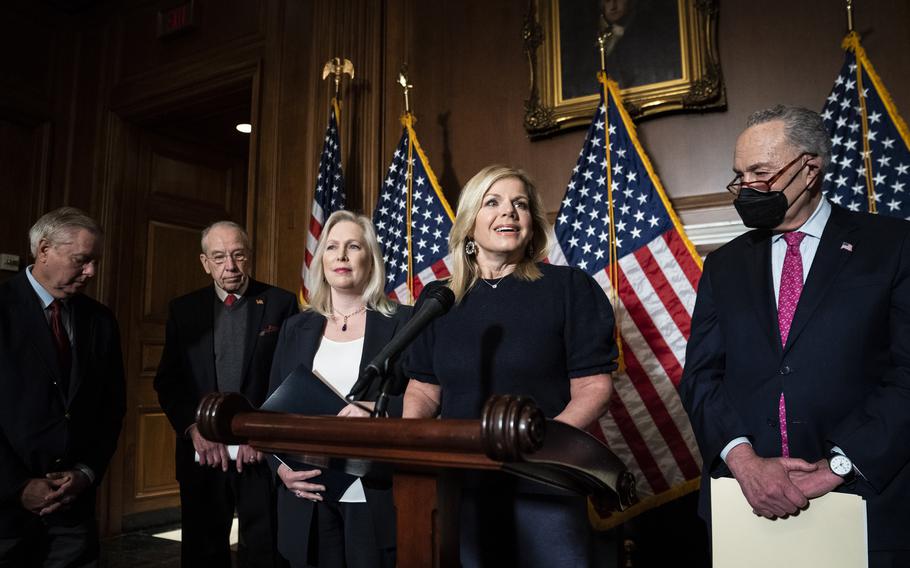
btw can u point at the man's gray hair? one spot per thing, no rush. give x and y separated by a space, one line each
57 227
245 238
804 128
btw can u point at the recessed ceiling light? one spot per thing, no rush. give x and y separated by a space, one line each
244 127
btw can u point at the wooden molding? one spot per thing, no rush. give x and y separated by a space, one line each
702 201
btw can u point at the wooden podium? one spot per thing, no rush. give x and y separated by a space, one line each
425 454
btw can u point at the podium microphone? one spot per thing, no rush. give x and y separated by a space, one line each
438 300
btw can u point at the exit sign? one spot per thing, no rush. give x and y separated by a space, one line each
177 19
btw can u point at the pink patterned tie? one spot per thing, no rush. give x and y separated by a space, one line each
791 286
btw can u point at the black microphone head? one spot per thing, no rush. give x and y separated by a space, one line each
443 295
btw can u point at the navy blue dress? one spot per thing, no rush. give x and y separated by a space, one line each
529 338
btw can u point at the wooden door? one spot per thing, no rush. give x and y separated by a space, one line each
180 188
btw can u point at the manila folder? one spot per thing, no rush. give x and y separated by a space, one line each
829 533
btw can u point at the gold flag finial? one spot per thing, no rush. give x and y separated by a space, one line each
338 67
403 81
850 16
602 39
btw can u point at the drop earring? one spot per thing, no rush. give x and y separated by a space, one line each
470 247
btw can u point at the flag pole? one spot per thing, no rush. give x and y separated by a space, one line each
850 16
860 90
324 203
407 120
602 38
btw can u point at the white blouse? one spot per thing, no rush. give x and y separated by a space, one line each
338 364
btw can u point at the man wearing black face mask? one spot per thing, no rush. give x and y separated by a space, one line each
797 377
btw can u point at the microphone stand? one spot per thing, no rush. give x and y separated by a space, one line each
382 401
369 376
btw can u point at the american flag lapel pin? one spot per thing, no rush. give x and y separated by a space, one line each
260 301
846 246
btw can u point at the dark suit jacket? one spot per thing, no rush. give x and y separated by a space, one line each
187 369
845 369
297 345
42 428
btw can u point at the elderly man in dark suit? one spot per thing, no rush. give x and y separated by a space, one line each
222 338
797 377
61 397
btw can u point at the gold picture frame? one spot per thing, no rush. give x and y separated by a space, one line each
676 71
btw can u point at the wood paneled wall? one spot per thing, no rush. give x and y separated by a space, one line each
79 88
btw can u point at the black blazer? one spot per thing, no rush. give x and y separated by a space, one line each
42 428
845 369
297 344
187 369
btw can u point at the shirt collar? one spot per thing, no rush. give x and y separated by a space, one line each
43 295
815 224
222 294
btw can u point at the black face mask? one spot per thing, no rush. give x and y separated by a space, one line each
760 210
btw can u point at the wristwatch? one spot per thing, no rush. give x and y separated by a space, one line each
841 466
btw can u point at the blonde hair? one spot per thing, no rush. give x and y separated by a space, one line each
464 269
373 296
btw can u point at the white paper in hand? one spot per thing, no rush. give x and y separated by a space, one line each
232 451
830 533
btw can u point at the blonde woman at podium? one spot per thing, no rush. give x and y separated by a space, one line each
327 518
519 326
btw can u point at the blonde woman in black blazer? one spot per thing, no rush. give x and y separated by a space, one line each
348 312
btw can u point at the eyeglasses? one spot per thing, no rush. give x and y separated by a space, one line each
83 262
764 185
220 258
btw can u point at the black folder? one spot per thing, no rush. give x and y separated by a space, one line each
302 392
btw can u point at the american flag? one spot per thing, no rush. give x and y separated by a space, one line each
329 196
413 221
616 208
870 156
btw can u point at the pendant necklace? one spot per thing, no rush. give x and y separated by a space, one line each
344 325
495 284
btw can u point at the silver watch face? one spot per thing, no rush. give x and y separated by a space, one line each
841 465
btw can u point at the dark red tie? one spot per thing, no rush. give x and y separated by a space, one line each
61 341
229 300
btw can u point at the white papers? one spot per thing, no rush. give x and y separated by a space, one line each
232 451
830 533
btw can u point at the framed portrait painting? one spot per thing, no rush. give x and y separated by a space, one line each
662 53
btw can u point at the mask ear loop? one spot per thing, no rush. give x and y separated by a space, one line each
790 203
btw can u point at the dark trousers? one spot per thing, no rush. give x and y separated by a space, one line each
208 498
889 558
52 546
347 537
503 528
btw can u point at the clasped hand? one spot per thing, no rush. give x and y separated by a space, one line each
297 481
56 491
777 487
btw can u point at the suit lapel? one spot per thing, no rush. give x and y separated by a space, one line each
256 309
379 331
35 327
829 260
305 340
204 349
762 292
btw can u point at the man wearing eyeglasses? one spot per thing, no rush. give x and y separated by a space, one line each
61 397
222 338
797 376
